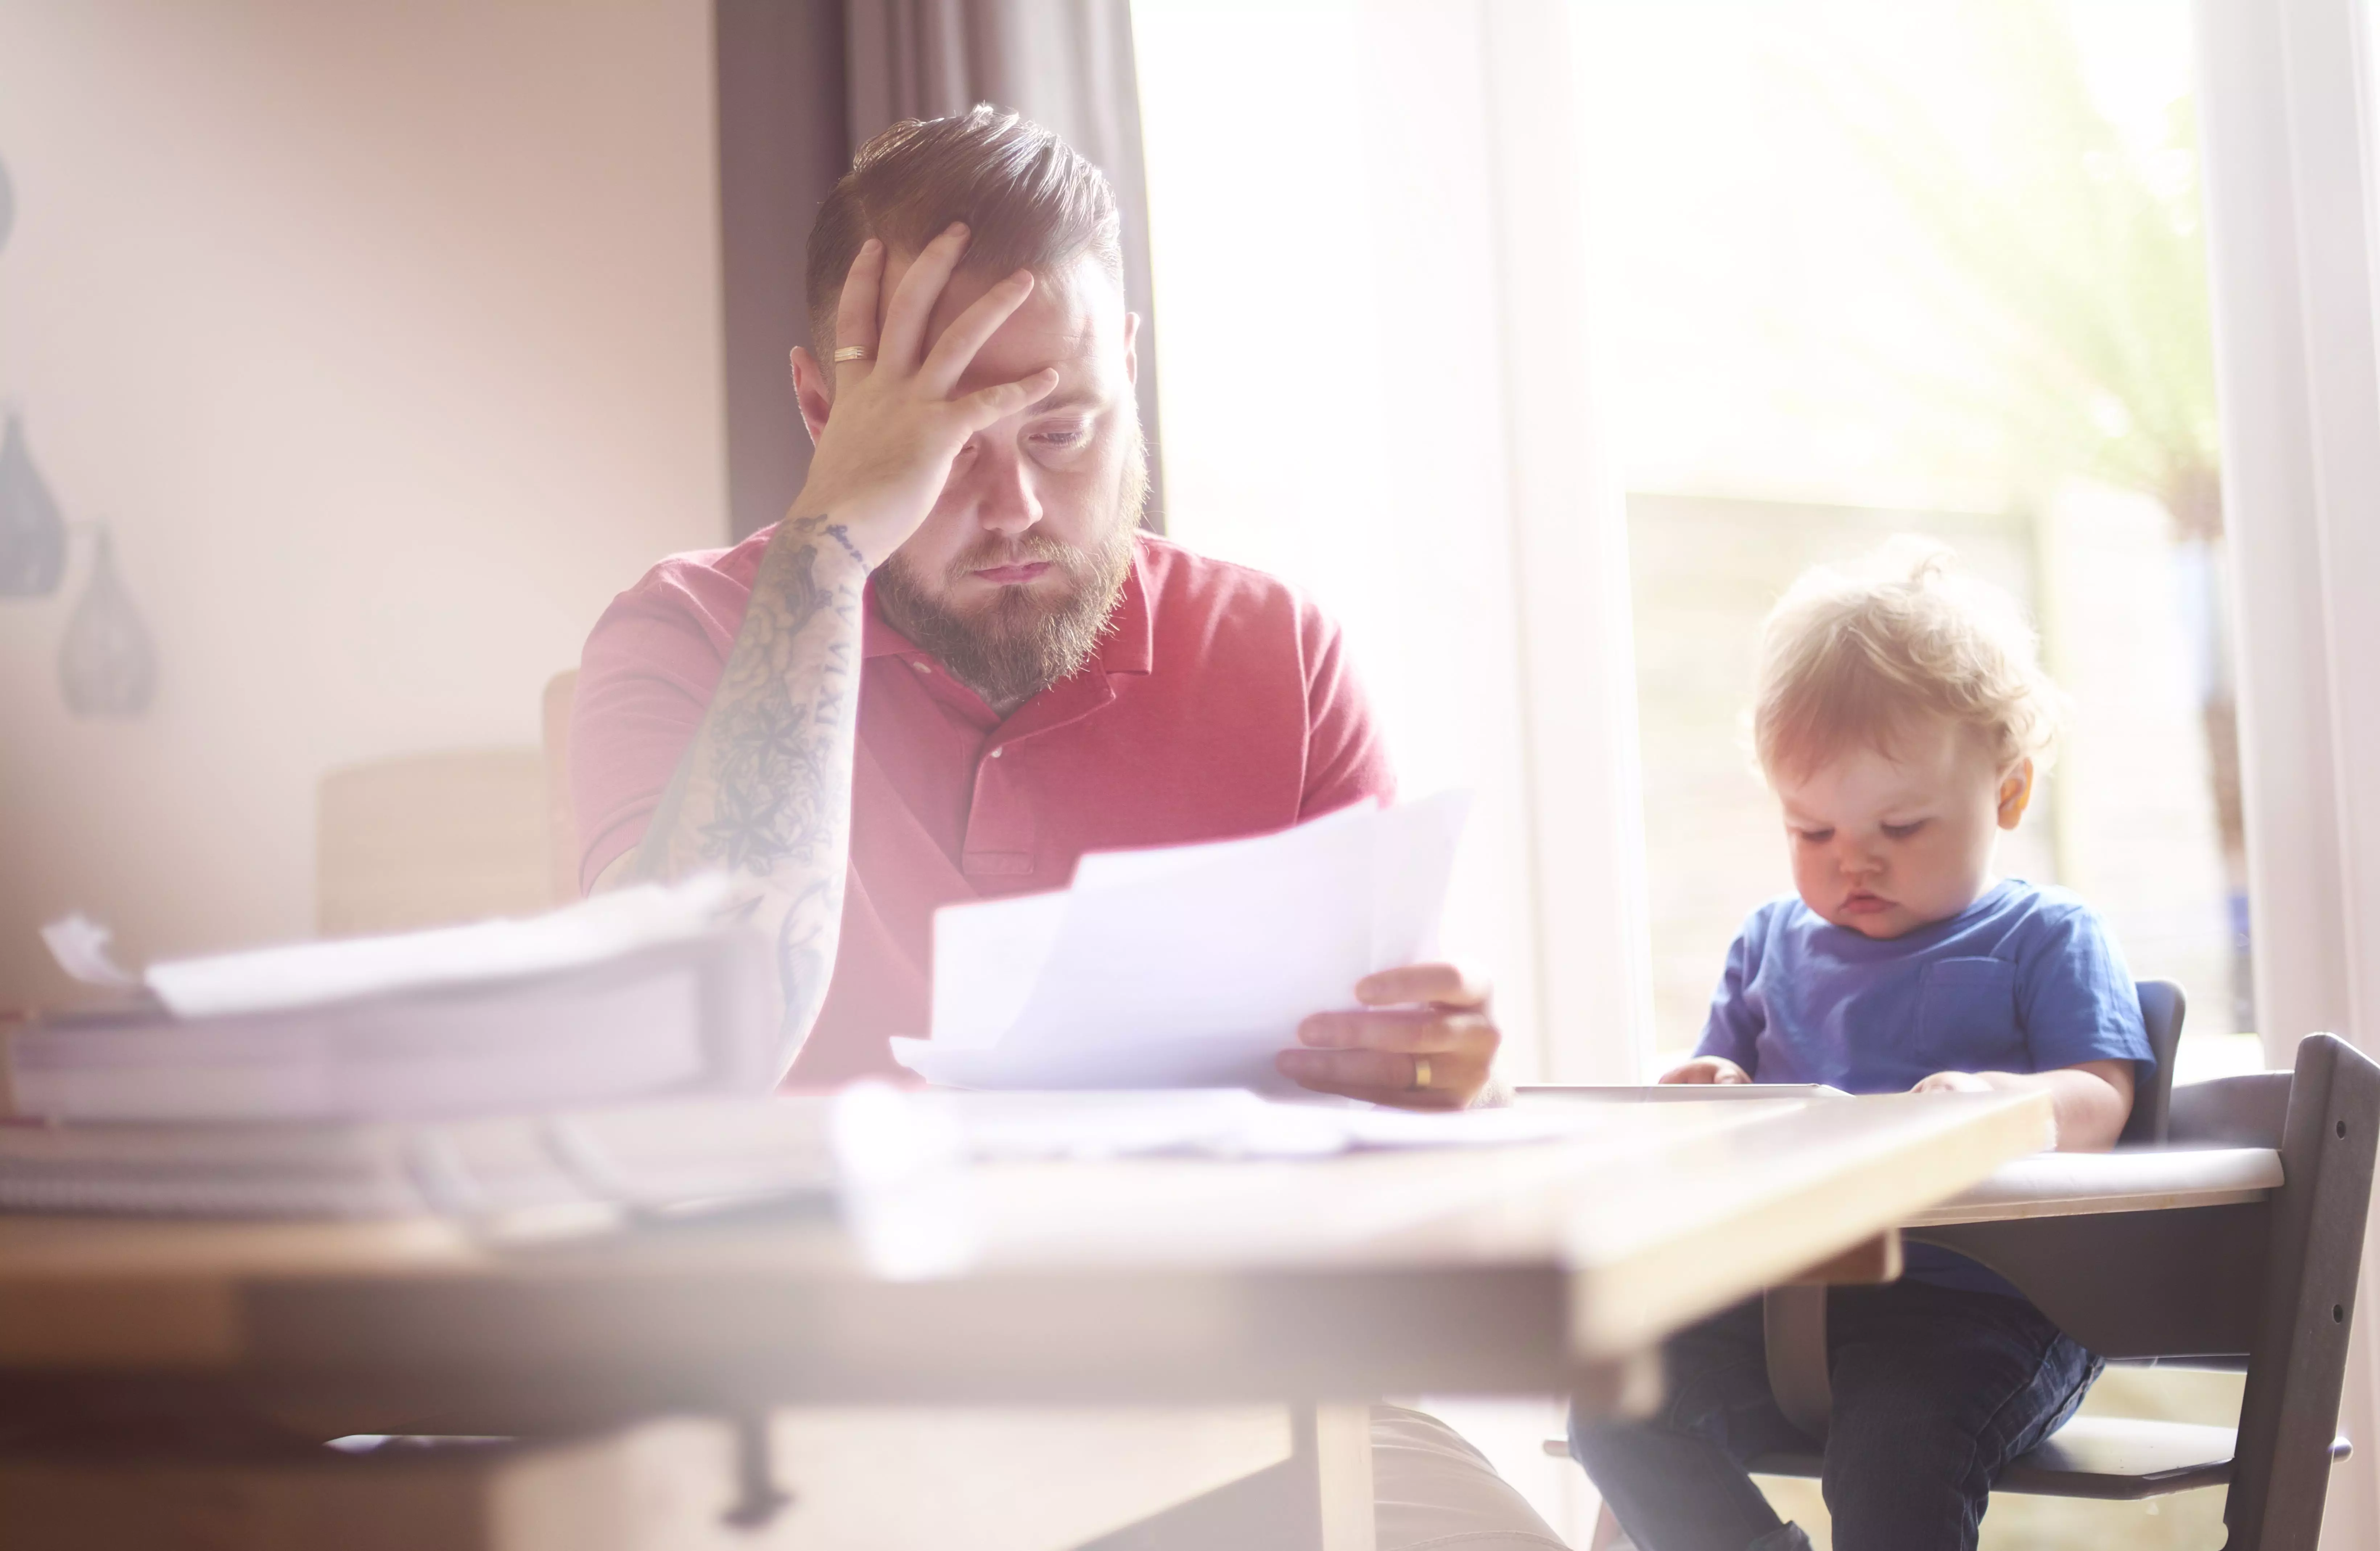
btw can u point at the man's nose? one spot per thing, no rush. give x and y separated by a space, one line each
1006 502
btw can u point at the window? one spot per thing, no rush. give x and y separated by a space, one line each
1852 268
1936 267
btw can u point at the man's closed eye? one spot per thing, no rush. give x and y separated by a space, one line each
1060 438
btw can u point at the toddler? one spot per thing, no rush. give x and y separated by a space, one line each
1903 720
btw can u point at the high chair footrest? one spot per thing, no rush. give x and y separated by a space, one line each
2110 1458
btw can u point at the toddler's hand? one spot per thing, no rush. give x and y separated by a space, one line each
1709 1068
1953 1083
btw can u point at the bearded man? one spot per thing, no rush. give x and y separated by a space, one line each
958 663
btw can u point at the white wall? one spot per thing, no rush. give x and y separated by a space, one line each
385 338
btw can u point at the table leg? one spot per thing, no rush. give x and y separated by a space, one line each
1339 1440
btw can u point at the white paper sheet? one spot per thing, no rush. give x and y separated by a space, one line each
1198 1122
80 946
1189 966
304 975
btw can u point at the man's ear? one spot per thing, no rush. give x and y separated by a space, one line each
2016 793
813 390
1132 349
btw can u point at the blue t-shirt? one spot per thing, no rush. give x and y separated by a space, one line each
2023 979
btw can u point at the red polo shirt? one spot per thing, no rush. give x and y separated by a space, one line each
1220 704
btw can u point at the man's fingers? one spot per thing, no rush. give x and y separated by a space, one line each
986 405
1447 984
1383 1076
1706 1070
1394 1098
854 316
913 297
1418 1031
948 360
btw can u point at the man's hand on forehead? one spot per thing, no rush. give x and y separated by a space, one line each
1048 329
966 285
903 409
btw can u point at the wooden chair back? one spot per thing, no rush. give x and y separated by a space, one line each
430 840
2272 1281
2297 1359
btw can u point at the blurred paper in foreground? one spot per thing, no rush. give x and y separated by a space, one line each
1184 967
642 992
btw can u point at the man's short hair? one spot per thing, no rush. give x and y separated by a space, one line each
1852 655
1031 201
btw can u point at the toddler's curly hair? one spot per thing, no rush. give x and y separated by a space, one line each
1855 654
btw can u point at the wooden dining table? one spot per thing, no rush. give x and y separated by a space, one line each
1047 1353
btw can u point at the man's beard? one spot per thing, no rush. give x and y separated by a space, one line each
1016 645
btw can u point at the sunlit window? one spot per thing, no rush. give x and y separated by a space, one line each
1859 268
1856 268
1921 267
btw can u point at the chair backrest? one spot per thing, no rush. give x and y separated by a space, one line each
560 820
2249 1110
2162 1009
2273 1279
2298 1364
429 840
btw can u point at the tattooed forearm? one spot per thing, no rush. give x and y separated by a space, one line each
766 788
781 778
805 946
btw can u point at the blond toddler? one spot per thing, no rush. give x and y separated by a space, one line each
1902 719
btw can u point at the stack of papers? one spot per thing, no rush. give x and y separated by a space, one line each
592 932
574 1169
1188 966
642 992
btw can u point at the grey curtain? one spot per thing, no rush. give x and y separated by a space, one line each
1066 64
785 136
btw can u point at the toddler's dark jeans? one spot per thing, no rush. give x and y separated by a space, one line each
1936 1390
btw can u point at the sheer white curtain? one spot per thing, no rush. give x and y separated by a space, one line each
1366 225
1365 222
2292 217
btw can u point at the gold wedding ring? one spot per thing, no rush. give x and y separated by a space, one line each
1421 1074
853 352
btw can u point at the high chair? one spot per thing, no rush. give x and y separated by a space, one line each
2266 1285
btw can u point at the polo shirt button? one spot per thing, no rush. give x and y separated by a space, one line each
921 664
997 752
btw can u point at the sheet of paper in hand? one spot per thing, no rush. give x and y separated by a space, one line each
1184 967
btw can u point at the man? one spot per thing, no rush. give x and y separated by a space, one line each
1038 678
957 663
